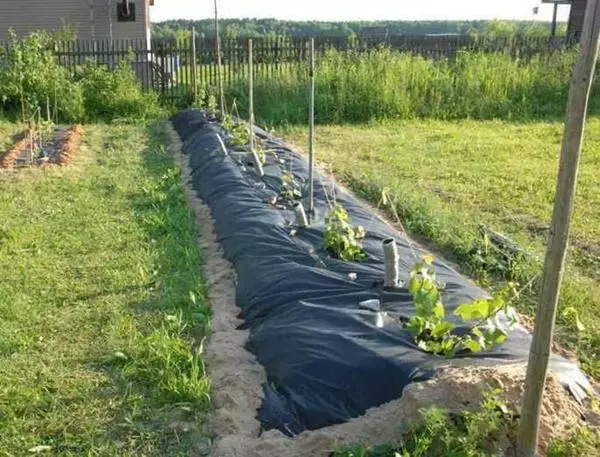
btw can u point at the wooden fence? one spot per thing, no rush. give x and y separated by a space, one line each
166 65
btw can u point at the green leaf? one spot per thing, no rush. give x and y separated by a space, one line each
442 328
478 309
473 345
439 310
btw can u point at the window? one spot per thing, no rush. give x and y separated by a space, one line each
125 11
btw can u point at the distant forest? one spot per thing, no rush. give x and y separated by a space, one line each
246 28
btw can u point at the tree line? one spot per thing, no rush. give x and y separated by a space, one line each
254 28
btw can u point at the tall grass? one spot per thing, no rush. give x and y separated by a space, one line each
360 86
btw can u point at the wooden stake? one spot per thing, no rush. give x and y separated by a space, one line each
219 70
194 67
311 132
559 232
250 95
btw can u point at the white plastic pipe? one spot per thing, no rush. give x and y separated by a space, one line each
301 219
390 251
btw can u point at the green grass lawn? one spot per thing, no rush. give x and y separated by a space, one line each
102 305
448 177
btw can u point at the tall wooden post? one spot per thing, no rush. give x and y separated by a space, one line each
219 62
559 233
554 19
251 94
311 132
194 67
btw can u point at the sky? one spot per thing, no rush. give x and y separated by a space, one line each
343 10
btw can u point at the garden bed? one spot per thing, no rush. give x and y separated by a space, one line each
33 148
328 358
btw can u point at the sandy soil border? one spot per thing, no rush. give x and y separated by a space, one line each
69 146
236 376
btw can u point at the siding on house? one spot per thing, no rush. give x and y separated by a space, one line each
26 16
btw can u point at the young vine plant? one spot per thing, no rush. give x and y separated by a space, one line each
290 190
434 333
342 239
240 136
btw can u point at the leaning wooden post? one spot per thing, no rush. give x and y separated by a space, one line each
559 233
250 95
311 132
194 66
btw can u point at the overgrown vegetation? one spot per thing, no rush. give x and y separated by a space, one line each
358 86
102 306
32 79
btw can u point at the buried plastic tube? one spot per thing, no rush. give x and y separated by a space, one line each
223 148
301 219
257 164
390 251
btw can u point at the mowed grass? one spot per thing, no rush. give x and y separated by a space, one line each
448 177
102 306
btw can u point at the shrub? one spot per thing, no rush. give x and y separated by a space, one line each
110 95
31 78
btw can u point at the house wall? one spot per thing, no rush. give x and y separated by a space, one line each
26 16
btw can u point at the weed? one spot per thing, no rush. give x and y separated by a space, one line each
583 442
439 434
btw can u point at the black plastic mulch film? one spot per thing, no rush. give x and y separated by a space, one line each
327 358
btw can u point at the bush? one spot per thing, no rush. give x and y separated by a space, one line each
31 78
110 95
